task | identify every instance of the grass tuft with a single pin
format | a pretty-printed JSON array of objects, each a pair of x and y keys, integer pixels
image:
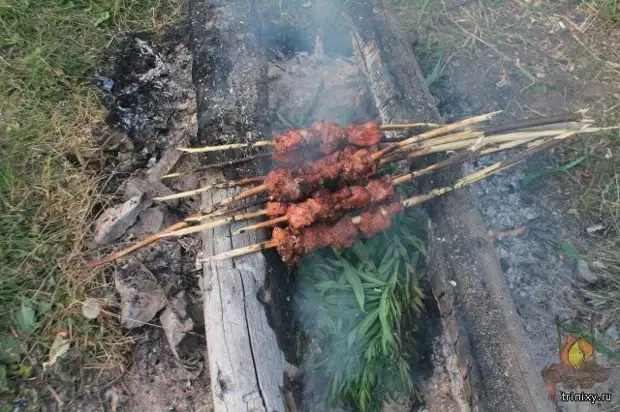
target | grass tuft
[
  {"x": 357, "y": 305},
  {"x": 50, "y": 122}
]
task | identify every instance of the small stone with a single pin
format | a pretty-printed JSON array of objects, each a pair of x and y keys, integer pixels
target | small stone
[
  {"x": 595, "y": 228},
  {"x": 137, "y": 186},
  {"x": 150, "y": 221},
  {"x": 612, "y": 334},
  {"x": 114, "y": 222},
  {"x": 176, "y": 322},
  {"x": 141, "y": 297},
  {"x": 91, "y": 308},
  {"x": 530, "y": 214},
  {"x": 584, "y": 272}
]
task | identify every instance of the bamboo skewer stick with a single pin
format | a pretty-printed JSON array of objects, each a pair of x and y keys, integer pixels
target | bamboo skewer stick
[
  {"x": 263, "y": 143},
  {"x": 214, "y": 223},
  {"x": 424, "y": 149},
  {"x": 224, "y": 185},
  {"x": 145, "y": 242},
  {"x": 434, "y": 133},
  {"x": 216, "y": 165},
  {"x": 419, "y": 199}
]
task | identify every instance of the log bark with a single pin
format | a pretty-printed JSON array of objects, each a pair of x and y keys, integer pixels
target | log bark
[
  {"x": 478, "y": 314},
  {"x": 245, "y": 363}
]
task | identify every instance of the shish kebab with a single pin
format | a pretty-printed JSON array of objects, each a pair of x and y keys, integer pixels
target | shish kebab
[
  {"x": 351, "y": 165},
  {"x": 292, "y": 243},
  {"x": 185, "y": 224},
  {"x": 327, "y": 206},
  {"x": 348, "y": 165},
  {"x": 327, "y": 137},
  {"x": 324, "y": 205},
  {"x": 216, "y": 208}
]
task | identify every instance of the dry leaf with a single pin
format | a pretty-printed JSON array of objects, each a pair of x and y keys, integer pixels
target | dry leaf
[{"x": 60, "y": 346}]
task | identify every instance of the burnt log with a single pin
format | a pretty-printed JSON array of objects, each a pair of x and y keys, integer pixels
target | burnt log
[
  {"x": 245, "y": 362},
  {"x": 478, "y": 314}
]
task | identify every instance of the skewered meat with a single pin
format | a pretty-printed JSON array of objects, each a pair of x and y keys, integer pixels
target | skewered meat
[
  {"x": 293, "y": 243},
  {"x": 365, "y": 135},
  {"x": 347, "y": 165},
  {"x": 326, "y": 206},
  {"x": 328, "y": 136},
  {"x": 275, "y": 209}
]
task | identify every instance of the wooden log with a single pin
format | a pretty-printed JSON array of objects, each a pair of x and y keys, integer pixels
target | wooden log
[
  {"x": 478, "y": 315},
  {"x": 245, "y": 363}
]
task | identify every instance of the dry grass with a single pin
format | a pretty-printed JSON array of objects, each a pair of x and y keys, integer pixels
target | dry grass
[
  {"x": 548, "y": 57},
  {"x": 50, "y": 119}
]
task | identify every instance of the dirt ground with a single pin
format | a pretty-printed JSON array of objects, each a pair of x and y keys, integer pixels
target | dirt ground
[
  {"x": 531, "y": 58},
  {"x": 524, "y": 57}
]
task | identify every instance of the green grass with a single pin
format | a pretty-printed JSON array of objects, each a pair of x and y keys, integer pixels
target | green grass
[
  {"x": 358, "y": 305},
  {"x": 49, "y": 113}
]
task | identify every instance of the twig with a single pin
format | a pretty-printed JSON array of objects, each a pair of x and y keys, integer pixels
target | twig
[
  {"x": 216, "y": 165},
  {"x": 224, "y": 185},
  {"x": 419, "y": 199}
]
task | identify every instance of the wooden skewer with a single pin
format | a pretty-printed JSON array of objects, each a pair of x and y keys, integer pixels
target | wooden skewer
[
  {"x": 434, "y": 133},
  {"x": 216, "y": 165},
  {"x": 224, "y": 185},
  {"x": 419, "y": 199},
  {"x": 214, "y": 223},
  {"x": 262, "y": 143},
  {"x": 424, "y": 149},
  {"x": 145, "y": 242}
]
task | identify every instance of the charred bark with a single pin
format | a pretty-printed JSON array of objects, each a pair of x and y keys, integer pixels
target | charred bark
[
  {"x": 245, "y": 362},
  {"x": 479, "y": 316}
]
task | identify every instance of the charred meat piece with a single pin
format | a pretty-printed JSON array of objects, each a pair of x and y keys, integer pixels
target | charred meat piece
[
  {"x": 286, "y": 243},
  {"x": 293, "y": 139},
  {"x": 326, "y": 138},
  {"x": 365, "y": 135},
  {"x": 359, "y": 197},
  {"x": 380, "y": 189},
  {"x": 377, "y": 220},
  {"x": 276, "y": 209},
  {"x": 332, "y": 136},
  {"x": 358, "y": 165},
  {"x": 319, "y": 206},
  {"x": 282, "y": 185},
  {"x": 293, "y": 243}
]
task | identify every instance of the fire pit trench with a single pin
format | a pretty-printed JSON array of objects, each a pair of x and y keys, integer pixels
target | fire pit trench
[{"x": 350, "y": 65}]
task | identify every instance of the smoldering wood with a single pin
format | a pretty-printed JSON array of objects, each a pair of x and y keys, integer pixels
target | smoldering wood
[
  {"x": 245, "y": 363},
  {"x": 478, "y": 314}
]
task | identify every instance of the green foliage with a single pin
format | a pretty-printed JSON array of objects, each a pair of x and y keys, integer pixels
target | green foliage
[
  {"x": 563, "y": 168},
  {"x": 49, "y": 112},
  {"x": 569, "y": 250},
  {"x": 354, "y": 303}
]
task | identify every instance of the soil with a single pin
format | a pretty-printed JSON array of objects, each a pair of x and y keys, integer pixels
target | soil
[
  {"x": 152, "y": 98},
  {"x": 152, "y": 105},
  {"x": 538, "y": 265}
]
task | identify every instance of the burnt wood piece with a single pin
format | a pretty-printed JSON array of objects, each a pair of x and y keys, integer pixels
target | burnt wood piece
[
  {"x": 478, "y": 314},
  {"x": 229, "y": 71}
]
